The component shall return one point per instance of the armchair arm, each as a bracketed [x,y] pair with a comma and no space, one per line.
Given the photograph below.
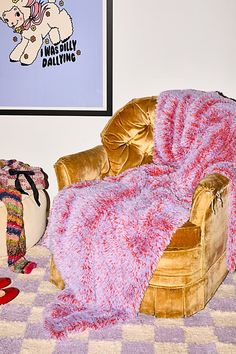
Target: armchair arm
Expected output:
[85,165]
[209,196]
[210,212]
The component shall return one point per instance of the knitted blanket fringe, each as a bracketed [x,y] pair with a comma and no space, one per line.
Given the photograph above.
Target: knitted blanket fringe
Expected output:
[107,236]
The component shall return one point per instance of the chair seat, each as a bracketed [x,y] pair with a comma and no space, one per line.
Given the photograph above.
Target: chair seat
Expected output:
[186,237]
[181,262]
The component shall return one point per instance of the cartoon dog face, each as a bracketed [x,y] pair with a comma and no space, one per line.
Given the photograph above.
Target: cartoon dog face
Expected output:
[13,17]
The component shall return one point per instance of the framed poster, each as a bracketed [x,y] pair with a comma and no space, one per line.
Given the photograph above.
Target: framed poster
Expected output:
[56,57]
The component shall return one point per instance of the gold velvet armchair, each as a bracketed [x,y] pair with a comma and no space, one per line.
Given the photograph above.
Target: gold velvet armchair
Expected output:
[193,265]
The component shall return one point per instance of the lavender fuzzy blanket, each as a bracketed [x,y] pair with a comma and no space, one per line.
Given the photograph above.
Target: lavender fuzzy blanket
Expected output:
[107,236]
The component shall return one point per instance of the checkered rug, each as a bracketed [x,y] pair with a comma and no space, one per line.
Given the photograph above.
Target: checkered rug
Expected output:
[212,330]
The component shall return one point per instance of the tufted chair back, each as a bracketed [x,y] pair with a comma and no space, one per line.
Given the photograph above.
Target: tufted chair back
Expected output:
[128,136]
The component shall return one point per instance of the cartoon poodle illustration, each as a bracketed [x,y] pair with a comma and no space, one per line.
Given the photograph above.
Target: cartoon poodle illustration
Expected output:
[34,20]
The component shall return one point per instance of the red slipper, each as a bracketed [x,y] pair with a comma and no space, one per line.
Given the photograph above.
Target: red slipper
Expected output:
[10,294]
[4,282]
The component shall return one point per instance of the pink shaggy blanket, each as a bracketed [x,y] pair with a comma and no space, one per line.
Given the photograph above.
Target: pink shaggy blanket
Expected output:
[107,236]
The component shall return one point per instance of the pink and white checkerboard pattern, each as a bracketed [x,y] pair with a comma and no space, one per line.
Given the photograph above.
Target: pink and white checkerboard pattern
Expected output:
[212,330]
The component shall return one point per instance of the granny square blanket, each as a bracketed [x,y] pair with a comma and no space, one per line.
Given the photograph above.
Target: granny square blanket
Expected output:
[108,235]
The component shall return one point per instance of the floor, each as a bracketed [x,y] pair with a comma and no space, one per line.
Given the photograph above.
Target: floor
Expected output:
[212,330]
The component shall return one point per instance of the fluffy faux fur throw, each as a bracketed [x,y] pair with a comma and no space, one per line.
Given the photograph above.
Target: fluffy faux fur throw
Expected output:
[107,236]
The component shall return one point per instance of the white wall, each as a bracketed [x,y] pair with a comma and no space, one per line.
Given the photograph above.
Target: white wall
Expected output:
[158,45]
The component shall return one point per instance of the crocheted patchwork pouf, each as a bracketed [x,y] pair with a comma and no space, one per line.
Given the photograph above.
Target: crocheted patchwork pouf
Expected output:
[34,220]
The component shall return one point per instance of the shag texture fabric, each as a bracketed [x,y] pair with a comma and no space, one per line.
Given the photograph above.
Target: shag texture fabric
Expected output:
[107,236]
[15,176]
